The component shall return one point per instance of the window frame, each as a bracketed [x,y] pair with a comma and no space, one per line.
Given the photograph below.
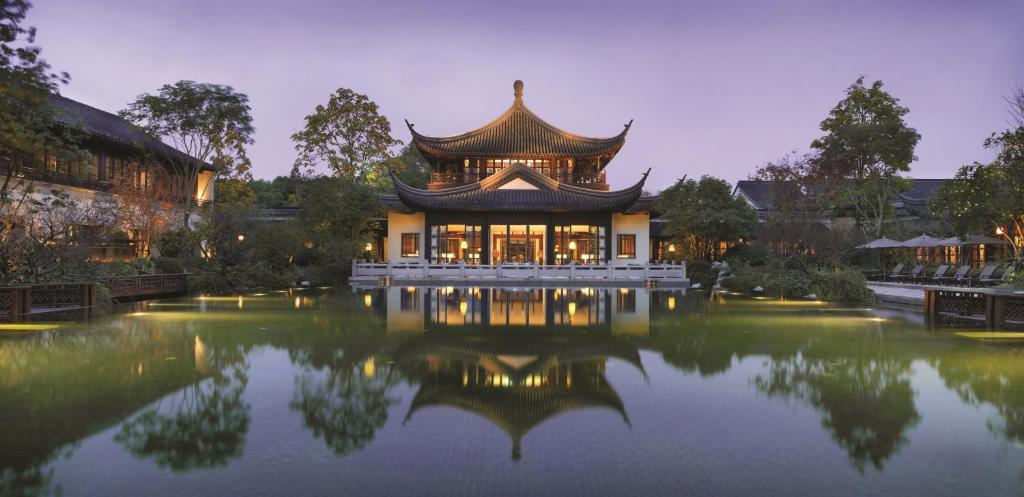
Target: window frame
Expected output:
[415,241]
[619,252]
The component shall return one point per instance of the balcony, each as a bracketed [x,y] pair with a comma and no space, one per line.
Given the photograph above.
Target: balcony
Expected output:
[593,181]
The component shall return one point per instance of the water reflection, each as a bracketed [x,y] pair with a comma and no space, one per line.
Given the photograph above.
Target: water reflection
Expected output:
[173,381]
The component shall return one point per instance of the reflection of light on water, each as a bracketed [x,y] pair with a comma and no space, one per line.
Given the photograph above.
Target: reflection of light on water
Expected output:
[297,302]
[572,308]
[463,307]
[241,302]
[368,300]
[991,335]
[202,358]
[28,327]
[369,367]
[624,291]
[671,302]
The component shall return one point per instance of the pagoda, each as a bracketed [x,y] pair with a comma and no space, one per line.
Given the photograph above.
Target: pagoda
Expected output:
[518,190]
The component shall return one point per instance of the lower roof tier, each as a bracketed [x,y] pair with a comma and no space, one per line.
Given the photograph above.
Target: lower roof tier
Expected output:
[517,189]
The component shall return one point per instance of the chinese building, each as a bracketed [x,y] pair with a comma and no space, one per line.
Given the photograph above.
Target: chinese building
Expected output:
[518,190]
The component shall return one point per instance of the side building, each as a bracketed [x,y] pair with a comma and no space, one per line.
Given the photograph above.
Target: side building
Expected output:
[518,190]
[120,160]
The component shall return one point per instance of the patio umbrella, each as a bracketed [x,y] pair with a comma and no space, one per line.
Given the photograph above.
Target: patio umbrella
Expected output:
[973,240]
[923,241]
[881,243]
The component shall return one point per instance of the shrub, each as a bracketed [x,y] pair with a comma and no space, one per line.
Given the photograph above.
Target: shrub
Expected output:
[844,285]
[168,265]
[261,275]
[701,272]
[755,254]
[133,267]
[212,277]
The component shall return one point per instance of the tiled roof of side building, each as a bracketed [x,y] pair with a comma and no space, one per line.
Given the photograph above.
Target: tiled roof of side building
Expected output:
[921,190]
[489,196]
[111,128]
[760,193]
[518,133]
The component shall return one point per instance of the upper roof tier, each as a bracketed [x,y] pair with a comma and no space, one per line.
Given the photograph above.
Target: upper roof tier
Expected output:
[518,133]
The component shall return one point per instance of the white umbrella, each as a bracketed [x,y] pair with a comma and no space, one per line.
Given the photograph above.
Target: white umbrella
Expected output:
[881,243]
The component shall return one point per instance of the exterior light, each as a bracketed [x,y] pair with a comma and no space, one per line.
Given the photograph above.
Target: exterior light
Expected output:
[464,245]
[241,238]
[999,230]
[671,302]
[672,248]
[369,247]
[367,300]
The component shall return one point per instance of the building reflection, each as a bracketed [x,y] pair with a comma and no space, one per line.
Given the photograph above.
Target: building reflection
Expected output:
[624,311]
[515,380]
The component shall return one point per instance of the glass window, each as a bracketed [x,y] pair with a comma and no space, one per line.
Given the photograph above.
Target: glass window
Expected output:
[456,242]
[627,247]
[410,244]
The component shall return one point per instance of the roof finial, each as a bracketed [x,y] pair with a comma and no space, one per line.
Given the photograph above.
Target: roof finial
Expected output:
[518,87]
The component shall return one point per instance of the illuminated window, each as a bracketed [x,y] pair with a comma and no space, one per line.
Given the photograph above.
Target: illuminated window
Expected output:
[410,244]
[627,247]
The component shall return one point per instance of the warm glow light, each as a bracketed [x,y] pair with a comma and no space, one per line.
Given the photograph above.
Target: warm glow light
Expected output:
[367,300]
[671,302]
[369,368]
[572,308]
[297,302]
[369,247]
[572,245]
[27,327]
[464,245]
[624,291]
[672,247]
[241,302]
[999,230]
[241,238]
[463,307]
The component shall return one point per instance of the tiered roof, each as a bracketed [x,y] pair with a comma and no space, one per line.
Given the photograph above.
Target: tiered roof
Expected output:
[518,133]
[542,194]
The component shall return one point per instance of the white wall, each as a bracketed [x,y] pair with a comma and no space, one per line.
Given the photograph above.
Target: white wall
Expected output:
[405,223]
[636,224]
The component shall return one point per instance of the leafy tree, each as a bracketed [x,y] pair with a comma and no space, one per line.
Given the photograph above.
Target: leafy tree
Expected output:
[701,214]
[208,122]
[990,197]
[412,167]
[866,146]
[348,136]
[337,212]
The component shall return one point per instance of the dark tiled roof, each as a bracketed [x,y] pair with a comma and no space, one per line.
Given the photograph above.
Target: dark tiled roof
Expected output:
[111,128]
[760,193]
[644,204]
[487,195]
[921,191]
[515,134]
[393,203]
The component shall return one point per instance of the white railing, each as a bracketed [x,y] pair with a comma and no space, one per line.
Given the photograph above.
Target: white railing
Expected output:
[442,271]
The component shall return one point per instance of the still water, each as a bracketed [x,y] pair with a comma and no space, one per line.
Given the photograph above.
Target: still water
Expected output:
[465,391]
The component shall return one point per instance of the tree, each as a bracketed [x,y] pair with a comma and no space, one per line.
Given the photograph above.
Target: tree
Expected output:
[337,212]
[990,197]
[703,213]
[210,123]
[142,206]
[412,167]
[348,136]
[866,146]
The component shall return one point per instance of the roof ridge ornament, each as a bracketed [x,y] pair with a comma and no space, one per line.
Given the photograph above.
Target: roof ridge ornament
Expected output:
[517,87]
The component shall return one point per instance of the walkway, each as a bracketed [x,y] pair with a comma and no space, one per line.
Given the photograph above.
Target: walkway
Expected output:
[898,293]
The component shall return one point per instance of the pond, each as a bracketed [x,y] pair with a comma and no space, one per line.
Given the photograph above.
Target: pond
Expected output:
[474,391]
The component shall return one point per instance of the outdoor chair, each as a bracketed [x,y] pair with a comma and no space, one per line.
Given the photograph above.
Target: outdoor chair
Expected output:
[939,272]
[897,271]
[914,273]
[986,273]
[961,273]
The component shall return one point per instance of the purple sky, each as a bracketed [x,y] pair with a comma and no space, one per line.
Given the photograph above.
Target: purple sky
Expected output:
[714,89]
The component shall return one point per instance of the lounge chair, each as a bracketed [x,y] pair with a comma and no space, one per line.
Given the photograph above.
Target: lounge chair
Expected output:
[897,271]
[939,272]
[914,273]
[961,273]
[986,273]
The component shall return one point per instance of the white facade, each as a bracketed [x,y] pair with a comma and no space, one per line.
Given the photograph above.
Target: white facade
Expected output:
[405,223]
[638,225]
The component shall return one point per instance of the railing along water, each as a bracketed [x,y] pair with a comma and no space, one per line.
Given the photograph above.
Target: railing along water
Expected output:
[459,271]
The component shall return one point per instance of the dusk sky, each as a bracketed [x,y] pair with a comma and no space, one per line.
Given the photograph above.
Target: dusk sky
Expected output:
[714,89]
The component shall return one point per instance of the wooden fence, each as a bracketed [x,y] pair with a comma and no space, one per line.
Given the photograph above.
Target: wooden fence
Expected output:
[992,308]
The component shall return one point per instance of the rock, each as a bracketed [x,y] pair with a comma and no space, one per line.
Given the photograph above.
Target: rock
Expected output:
[811,296]
[758,289]
[695,285]
[304,283]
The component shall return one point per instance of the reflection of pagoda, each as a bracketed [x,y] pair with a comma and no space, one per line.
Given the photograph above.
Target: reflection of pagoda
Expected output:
[519,380]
